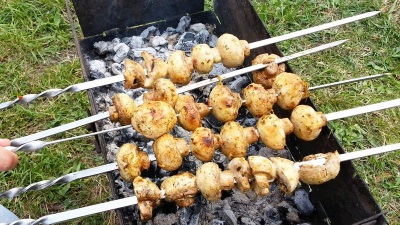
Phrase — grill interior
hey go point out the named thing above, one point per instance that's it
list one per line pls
(333, 203)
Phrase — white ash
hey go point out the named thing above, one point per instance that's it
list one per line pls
(235, 207)
(97, 66)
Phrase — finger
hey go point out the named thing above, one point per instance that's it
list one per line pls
(4, 142)
(8, 160)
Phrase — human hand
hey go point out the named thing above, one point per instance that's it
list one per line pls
(8, 160)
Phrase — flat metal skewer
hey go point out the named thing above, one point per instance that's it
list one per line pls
(91, 119)
(36, 145)
(118, 78)
(129, 201)
(109, 167)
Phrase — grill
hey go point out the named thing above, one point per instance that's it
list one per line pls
(346, 200)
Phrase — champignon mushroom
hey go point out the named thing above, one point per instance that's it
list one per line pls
(131, 161)
(154, 118)
(266, 76)
(169, 152)
(148, 195)
(210, 180)
(236, 139)
(264, 172)
(156, 68)
(204, 58)
(163, 90)
(273, 131)
(307, 122)
(241, 172)
(180, 67)
(318, 174)
(180, 189)
(123, 109)
(132, 71)
(188, 114)
(288, 174)
(290, 90)
(225, 103)
(259, 101)
(232, 50)
(203, 143)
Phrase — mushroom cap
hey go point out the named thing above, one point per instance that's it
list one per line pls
(132, 71)
(131, 161)
(259, 101)
(225, 103)
(203, 58)
(231, 50)
(180, 67)
(123, 109)
(271, 131)
(307, 123)
(234, 143)
(167, 153)
(156, 68)
(290, 90)
(318, 174)
(188, 114)
(180, 188)
(288, 174)
(154, 118)
(163, 90)
(203, 143)
(208, 181)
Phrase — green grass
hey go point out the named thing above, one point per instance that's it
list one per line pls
(37, 53)
(373, 48)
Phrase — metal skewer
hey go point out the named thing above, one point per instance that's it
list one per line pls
(91, 119)
(115, 204)
(112, 166)
(105, 81)
(36, 145)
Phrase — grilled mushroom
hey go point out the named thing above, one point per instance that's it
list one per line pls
(288, 174)
(123, 109)
(273, 131)
(180, 68)
(225, 103)
(241, 172)
(204, 58)
(203, 143)
(266, 77)
(318, 174)
(290, 90)
(189, 115)
(132, 71)
(180, 189)
(148, 195)
(131, 161)
(236, 139)
(259, 101)
(264, 172)
(156, 68)
(163, 90)
(169, 152)
(232, 50)
(154, 118)
(307, 122)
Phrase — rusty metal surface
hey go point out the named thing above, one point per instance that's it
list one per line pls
(347, 199)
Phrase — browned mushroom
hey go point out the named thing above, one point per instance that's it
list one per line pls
(290, 90)
(236, 139)
(132, 70)
(123, 109)
(264, 172)
(163, 90)
(259, 101)
(131, 161)
(156, 68)
(180, 68)
(189, 115)
(307, 122)
(273, 131)
(169, 152)
(203, 143)
(266, 77)
(318, 174)
(148, 195)
(180, 189)
(242, 173)
(225, 103)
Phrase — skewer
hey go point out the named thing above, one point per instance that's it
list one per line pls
(115, 204)
(91, 119)
(105, 81)
(112, 166)
(36, 145)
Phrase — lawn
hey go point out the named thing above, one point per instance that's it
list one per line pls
(37, 53)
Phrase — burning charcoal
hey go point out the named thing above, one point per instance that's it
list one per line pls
(202, 37)
(136, 42)
(116, 68)
(249, 122)
(228, 216)
(113, 43)
(197, 27)
(186, 42)
(302, 201)
(190, 215)
(247, 221)
(157, 41)
(184, 23)
(113, 149)
(121, 51)
(137, 53)
(213, 41)
(149, 32)
(239, 83)
(101, 47)
(97, 66)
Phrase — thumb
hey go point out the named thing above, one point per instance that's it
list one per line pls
(8, 160)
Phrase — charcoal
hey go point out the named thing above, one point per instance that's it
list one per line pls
(113, 149)
(213, 41)
(190, 215)
(126, 40)
(302, 201)
(202, 37)
(112, 45)
(118, 87)
(217, 222)
(157, 41)
(136, 42)
(186, 42)
(239, 83)
(240, 197)
(121, 51)
(149, 32)
(228, 216)
(183, 24)
(172, 40)
(97, 66)
(247, 221)
(101, 47)
(117, 68)
(197, 27)
(136, 53)
(170, 30)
